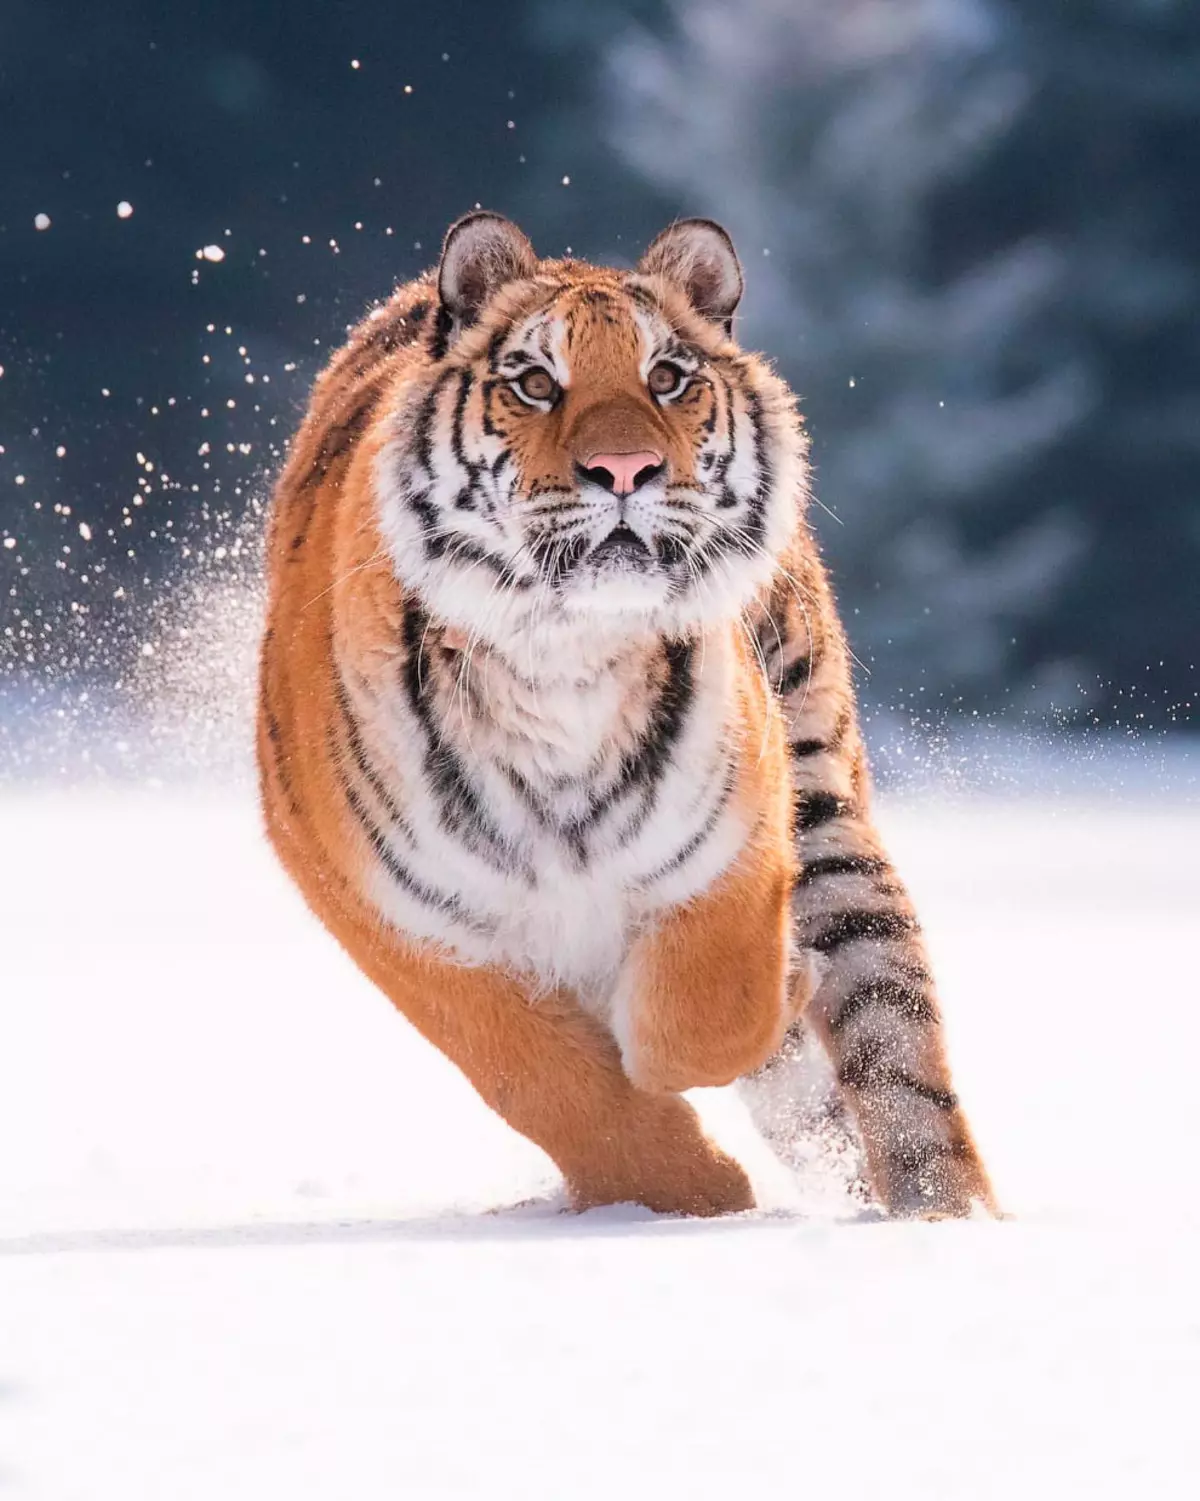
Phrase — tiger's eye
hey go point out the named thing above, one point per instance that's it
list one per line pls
(538, 385)
(665, 378)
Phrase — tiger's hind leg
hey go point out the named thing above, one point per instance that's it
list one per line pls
(875, 1011)
(799, 1110)
(874, 1007)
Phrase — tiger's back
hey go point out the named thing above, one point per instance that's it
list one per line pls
(556, 732)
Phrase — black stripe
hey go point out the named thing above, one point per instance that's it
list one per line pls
(909, 998)
(340, 438)
(802, 748)
(467, 550)
(422, 445)
(496, 343)
(337, 441)
(559, 555)
(460, 810)
(866, 1071)
(920, 1156)
(534, 803)
(726, 499)
(386, 334)
(841, 726)
(362, 760)
(709, 425)
(434, 540)
(841, 865)
(644, 298)
(278, 757)
(794, 674)
(755, 524)
(603, 303)
(443, 327)
(489, 427)
(849, 927)
(667, 720)
(466, 380)
(698, 839)
(813, 809)
(643, 767)
(403, 877)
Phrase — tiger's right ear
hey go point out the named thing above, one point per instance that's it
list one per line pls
(481, 253)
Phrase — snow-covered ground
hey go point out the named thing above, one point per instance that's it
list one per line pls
(254, 1243)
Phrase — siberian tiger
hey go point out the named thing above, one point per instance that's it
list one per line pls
(557, 733)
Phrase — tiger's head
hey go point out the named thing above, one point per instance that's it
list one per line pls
(586, 450)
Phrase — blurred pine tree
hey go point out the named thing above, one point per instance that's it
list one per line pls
(973, 242)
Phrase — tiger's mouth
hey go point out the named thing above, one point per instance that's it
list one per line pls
(622, 573)
(623, 549)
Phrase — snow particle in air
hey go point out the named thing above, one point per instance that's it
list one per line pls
(124, 209)
(210, 253)
(85, 531)
(41, 221)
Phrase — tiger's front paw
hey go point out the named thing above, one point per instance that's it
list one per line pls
(667, 1050)
(661, 1158)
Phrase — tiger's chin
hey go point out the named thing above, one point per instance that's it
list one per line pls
(615, 590)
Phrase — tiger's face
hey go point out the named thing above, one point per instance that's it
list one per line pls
(588, 452)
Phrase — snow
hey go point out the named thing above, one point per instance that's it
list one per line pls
(254, 1239)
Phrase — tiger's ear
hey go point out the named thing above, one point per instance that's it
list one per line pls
(481, 253)
(698, 256)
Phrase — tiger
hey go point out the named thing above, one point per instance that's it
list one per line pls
(557, 733)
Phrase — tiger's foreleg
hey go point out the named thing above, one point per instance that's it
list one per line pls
(703, 997)
(555, 1075)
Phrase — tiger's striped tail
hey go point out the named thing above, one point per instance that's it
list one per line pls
(874, 1006)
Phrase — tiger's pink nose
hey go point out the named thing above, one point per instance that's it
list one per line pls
(622, 473)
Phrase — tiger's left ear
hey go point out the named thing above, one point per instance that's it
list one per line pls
(698, 256)
(481, 253)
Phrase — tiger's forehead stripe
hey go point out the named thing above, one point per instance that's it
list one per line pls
(604, 317)
(605, 328)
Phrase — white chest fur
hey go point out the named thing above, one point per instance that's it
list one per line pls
(576, 839)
